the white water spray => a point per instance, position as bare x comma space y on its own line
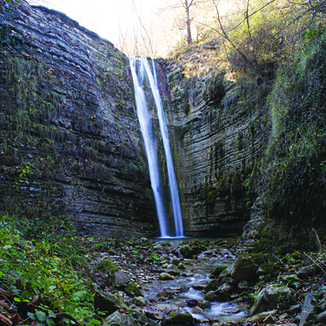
142, 111
150, 146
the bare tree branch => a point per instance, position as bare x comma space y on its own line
226, 36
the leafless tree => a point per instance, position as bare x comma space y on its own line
187, 5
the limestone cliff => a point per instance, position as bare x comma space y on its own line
70, 141
222, 130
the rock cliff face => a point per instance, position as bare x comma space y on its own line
69, 132
222, 131
70, 140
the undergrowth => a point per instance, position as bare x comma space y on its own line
47, 280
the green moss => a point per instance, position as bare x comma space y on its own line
132, 290
240, 142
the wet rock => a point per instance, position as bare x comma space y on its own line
225, 273
156, 315
197, 310
269, 297
192, 303
223, 293
200, 287
308, 310
187, 252
217, 271
245, 266
210, 296
119, 319
205, 304
181, 266
107, 302
132, 290
179, 318
174, 272
165, 295
144, 320
266, 317
139, 301
166, 276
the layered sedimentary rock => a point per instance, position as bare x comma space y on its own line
219, 131
70, 139
69, 130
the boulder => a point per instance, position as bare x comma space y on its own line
266, 317
181, 266
107, 302
143, 320
132, 290
269, 297
204, 304
121, 279
197, 310
210, 296
156, 315
187, 252
308, 310
321, 318
165, 295
306, 271
245, 266
166, 276
139, 301
119, 319
217, 271
223, 293
179, 318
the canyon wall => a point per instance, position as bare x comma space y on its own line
219, 129
70, 141
71, 144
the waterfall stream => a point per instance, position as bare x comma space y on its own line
150, 144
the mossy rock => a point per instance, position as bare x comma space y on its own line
105, 301
132, 290
187, 252
179, 318
166, 276
217, 271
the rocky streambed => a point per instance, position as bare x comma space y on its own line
146, 282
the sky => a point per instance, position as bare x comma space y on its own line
110, 19
136, 27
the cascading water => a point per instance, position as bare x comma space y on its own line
144, 120
150, 146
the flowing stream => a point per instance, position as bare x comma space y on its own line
139, 76
185, 288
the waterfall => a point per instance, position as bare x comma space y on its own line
150, 146
149, 140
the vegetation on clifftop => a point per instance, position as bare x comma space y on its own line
274, 52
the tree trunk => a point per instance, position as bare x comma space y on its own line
189, 38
